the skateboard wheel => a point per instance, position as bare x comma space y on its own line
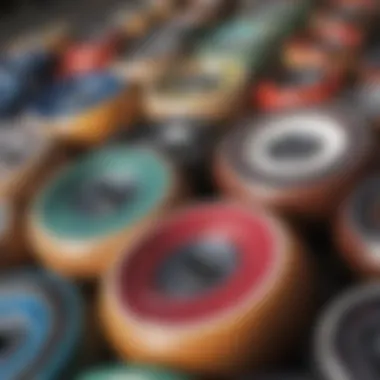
82, 217
131, 372
147, 58
301, 84
198, 281
356, 229
85, 109
310, 49
297, 162
41, 323
331, 27
249, 37
201, 89
94, 45
346, 337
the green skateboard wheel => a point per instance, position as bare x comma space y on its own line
98, 204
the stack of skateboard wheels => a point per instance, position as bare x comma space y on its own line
190, 190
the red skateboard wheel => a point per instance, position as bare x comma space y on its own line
357, 228
307, 47
297, 162
94, 44
208, 276
310, 79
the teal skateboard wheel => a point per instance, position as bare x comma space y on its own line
82, 218
41, 323
132, 373
250, 36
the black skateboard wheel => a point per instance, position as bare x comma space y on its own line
297, 162
346, 337
209, 275
84, 109
83, 216
131, 372
356, 229
41, 325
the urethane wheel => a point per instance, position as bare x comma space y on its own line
145, 59
94, 43
41, 325
347, 335
201, 89
219, 276
357, 228
132, 372
305, 47
299, 162
310, 81
90, 210
331, 28
85, 109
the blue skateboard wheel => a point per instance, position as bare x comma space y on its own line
85, 108
40, 325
